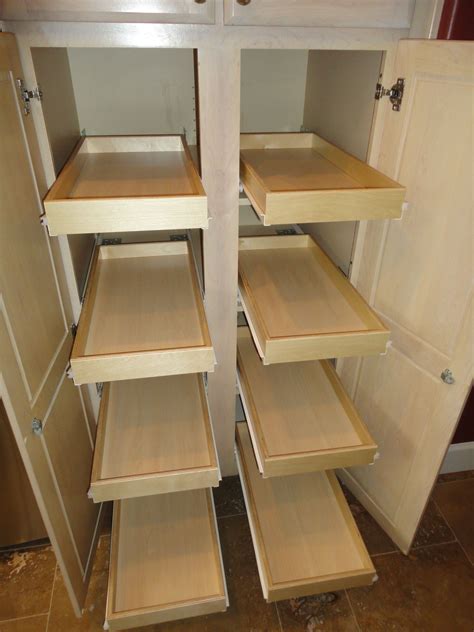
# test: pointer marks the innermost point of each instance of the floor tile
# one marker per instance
(319, 612)
(32, 624)
(62, 616)
(455, 476)
(456, 502)
(374, 537)
(431, 590)
(228, 497)
(26, 582)
(248, 611)
(432, 528)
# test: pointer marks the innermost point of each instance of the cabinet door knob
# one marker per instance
(244, 3)
(447, 376)
(200, 1)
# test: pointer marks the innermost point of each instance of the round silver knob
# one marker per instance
(447, 376)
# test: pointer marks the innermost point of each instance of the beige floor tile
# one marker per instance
(26, 582)
(32, 624)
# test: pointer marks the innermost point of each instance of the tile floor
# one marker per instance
(430, 590)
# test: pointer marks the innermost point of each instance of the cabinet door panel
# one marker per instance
(417, 273)
(35, 344)
(164, 11)
(344, 13)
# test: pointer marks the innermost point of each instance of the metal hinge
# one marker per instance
(27, 95)
(73, 329)
(395, 93)
(285, 231)
(179, 237)
(99, 387)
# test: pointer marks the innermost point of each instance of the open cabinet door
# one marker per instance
(417, 273)
(35, 343)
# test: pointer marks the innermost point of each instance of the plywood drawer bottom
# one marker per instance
(165, 560)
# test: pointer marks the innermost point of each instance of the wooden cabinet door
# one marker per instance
(344, 13)
(159, 11)
(417, 274)
(35, 344)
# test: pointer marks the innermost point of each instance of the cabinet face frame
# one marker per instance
(107, 35)
(132, 485)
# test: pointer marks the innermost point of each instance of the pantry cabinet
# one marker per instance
(157, 328)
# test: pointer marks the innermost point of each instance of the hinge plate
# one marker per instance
(395, 93)
(28, 95)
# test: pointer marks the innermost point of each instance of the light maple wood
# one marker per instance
(154, 436)
(302, 178)
(166, 11)
(165, 560)
(299, 416)
(305, 538)
(418, 274)
(127, 183)
(34, 349)
(219, 111)
(325, 13)
(300, 306)
(143, 315)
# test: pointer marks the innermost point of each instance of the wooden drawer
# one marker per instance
(298, 178)
(304, 535)
(159, 11)
(142, 316)
(300, 306)
(153, 436)
(326, 13)
(127, 183)
(165, 560)
(299, 416)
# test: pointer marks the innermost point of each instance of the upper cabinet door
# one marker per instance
(344, 13)
(46, 412)
(159, 11)
(417, 274)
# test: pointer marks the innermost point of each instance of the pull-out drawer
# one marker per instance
(304, 535)
(300, 306)
(127, 183)
(165, 560)
(143, 315)
(298, 178)
(299, 416)
(153, 436)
